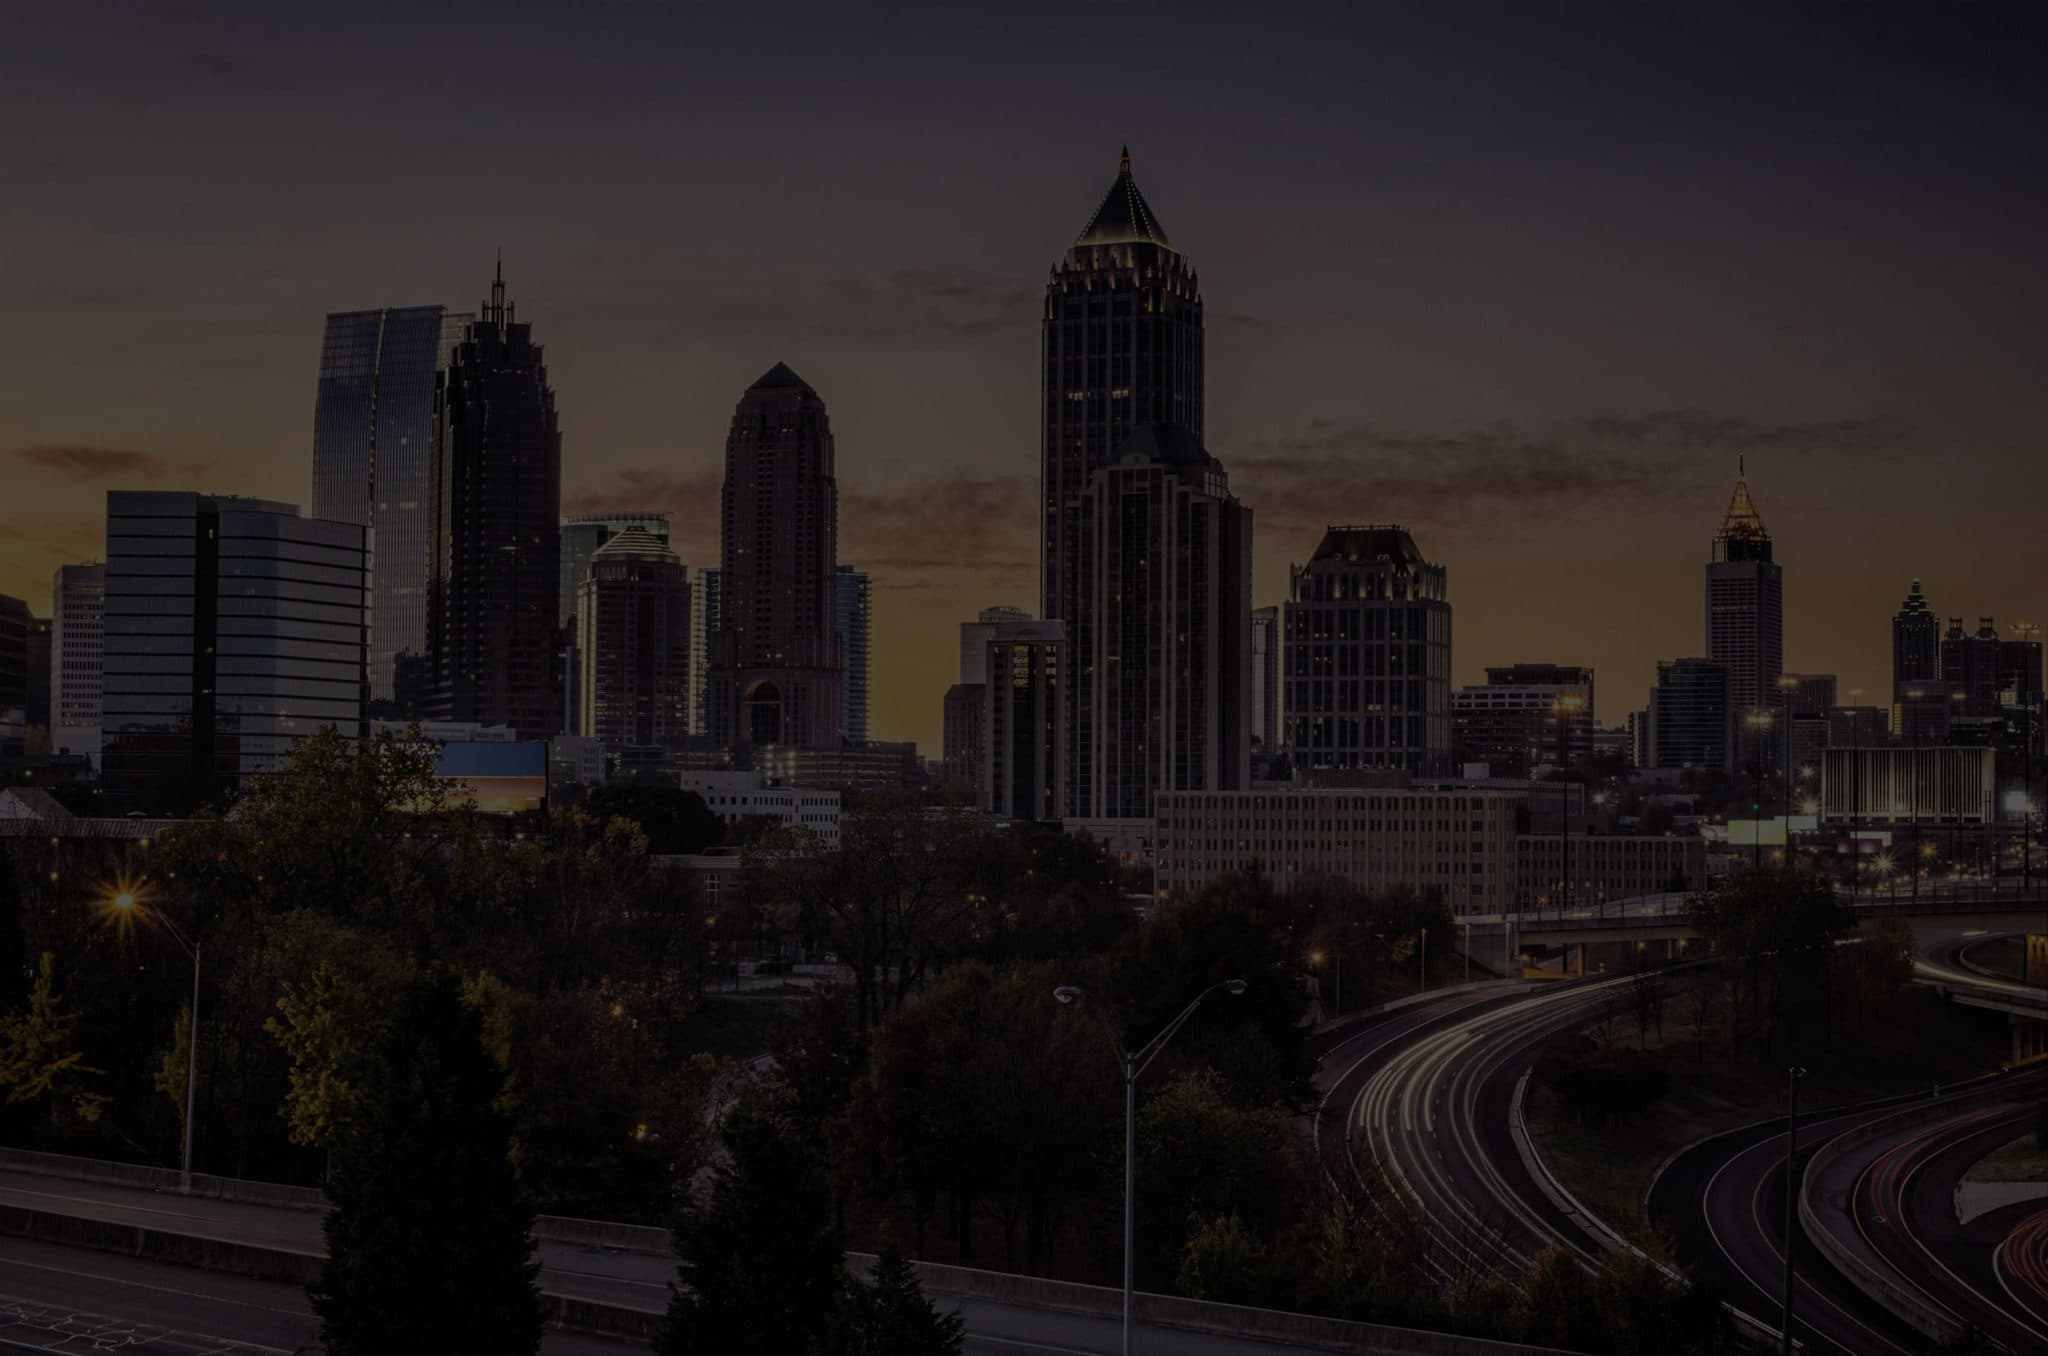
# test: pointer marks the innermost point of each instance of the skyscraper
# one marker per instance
(974, 638)
(496, 565)
(15, 623)
(851, 617)
(1916, 643)
(1266, 649)
(583, 534)
(1168, 555)
(1970, 669)
(373, 461)
(1746, 608)
(705, 594)
(633, 643)
(1689, 715)
(1122, 347)
(77, 597)
(774, 673)
(1524, 715)
(233, 629)
(1022, 721)
(1367, 663)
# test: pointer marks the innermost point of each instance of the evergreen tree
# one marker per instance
(429, 1243)
(890, 1316)
(760, 1268)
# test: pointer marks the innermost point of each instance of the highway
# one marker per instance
(1724, 1199)
(1892, 1204)
(1429, 1097)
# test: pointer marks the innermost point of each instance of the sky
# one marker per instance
(1526, 277)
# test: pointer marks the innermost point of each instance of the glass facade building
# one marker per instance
(373, 460)
(853, 608)
(232, 628)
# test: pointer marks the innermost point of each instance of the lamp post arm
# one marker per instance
(1145, 1054)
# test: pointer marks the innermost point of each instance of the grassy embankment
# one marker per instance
(1921, 1042)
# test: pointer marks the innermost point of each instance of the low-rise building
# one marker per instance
(738, 796)
(1588, 870)
(1460, 843)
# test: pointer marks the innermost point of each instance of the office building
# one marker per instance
(1460, 843)
(2019, 667)
(583, 534)
(1810, 694)
(232, 629)
(1689, 715)
(1023, 721)
(961, 734)
(1161, 703)
(1525, 716)
(1970, 669)
(736, 797)
(852, 618)
(494, 605)
(1745, 611)
(1122, 347)
(775, 675)
(1267, 734)
(1920, 786)
(1858, 727)
(15, 624)
(77, 597)
(705, 593)
(1916, 648)
(633, 643)
(1367, 655)
(373, 463)
(974, 639)
(1591, 870)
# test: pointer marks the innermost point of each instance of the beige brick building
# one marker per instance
(1461, 843)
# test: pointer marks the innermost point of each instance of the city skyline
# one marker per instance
(1387, 347)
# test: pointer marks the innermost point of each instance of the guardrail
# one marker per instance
(1928, 1319)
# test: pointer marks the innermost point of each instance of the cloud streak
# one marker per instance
(80, 464)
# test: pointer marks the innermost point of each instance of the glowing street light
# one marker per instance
(125, 903)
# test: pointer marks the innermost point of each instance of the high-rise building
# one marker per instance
(583, 534)
(233, 628)
(633, 643)
(1689, 715)
(961, 736)
(1916, 647)
(1023, 721)
(15, 621)
(2019, 666)
(1858, 727)
(77, 596)
(1266, 647)
(373, 462)
(775, 675)
(705, 594)
(1746, 609)
(1970, 663)
(851, 615)
(1808, 693)
(1524, 715)
(494, 609)
(1163, 705)
(1122, 347)
(974, 639)
(1367, 662)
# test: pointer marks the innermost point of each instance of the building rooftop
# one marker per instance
(780, 377)
(1168, 443)
(1742, 522)
(1124, 218)
(633, 543)
(1381, 541)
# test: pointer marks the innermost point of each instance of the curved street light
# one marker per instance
(126, 903)
(1135, 1062)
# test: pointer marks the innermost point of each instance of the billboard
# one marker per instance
(503, 777)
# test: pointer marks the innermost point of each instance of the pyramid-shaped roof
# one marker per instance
(1124, 218)
(779, 377)
(1742, 522)
(634, 543)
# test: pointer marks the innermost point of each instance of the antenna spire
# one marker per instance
(1123, 166)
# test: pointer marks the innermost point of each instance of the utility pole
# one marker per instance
(1792, 1077)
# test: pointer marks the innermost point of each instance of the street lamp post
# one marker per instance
(1760, 721)
(1135, 1062)
(1424, 953)
(1336, 959)
(1792, 1077)
(128, 903)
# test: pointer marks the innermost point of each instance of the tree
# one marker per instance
(38, 1062)
(429, 1242)
(759, 1266)
(1202, 1159)
(889, 1315)
(676, 822)
(1775, 929)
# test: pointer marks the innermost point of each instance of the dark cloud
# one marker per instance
(82, 465)
(1505, 477)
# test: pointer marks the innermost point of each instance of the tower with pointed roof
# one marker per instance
(1745, 611)
(493, 577)
(774, 675)
(1121, 348)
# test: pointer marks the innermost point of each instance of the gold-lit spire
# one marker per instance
(1124, 218)
(1742, 522)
